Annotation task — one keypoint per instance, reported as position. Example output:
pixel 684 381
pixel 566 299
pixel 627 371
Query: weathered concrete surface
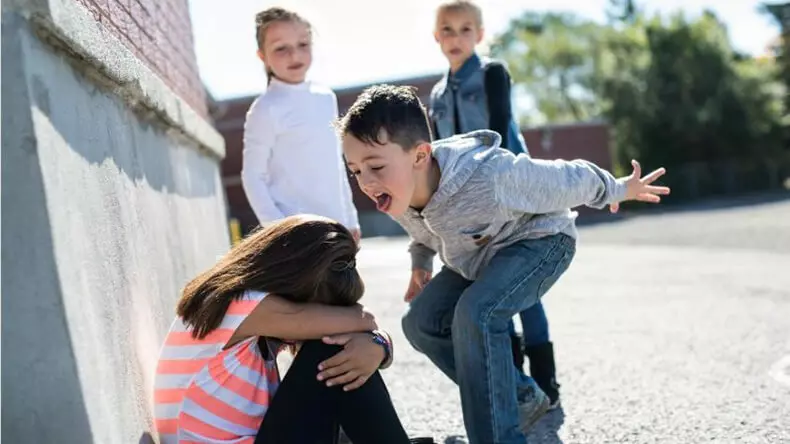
pixel 670 328
pixel 106 215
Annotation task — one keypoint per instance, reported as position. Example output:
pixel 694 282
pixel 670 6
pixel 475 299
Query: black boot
pixel 518 355
pixel 542 370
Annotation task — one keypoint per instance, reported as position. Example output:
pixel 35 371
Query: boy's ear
pixel 260 56
pixel 480 34
pixel 422 154
pixel 436 35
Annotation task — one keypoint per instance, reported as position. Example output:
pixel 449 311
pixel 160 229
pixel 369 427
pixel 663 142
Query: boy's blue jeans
pixel 462 326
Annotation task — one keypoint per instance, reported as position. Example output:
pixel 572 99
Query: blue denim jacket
pixel 467 86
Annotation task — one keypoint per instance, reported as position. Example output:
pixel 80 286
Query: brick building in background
pixel 588 141
pixel 229 117
pixel 111 199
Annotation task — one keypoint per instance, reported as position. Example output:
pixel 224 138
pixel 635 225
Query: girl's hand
pixel 352 367
pixel 640 188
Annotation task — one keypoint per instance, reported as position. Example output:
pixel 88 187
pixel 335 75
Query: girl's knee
pixel 316 351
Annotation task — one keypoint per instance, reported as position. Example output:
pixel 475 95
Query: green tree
pixel 549 57
pixel 781 14
pixel 684 96
pixel 673 89
pixel 621 10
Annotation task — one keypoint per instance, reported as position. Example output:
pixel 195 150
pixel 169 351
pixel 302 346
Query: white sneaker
pixel 530 411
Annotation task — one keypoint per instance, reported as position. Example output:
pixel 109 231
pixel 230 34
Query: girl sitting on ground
pixel 291 283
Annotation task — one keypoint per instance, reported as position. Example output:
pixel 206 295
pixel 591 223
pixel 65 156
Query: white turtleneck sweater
pixel 293 162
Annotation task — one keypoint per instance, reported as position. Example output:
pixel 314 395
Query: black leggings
pixel 305 410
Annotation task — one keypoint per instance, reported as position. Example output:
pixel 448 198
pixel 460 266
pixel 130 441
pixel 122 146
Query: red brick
pixel 159 32
pixel 93 8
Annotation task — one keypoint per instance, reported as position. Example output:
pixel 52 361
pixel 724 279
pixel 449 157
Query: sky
pixel 362 41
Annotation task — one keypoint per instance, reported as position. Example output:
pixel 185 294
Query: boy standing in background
pixel 475 95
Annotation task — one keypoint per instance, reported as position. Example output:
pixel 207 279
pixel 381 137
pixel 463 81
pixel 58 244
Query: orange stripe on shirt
pixel 231 382
pixel 194 425
pixel 218 336
pixel 223 410
pixel 180 366
pixel 169 396
pixel 250 440
pixel 166 426
pixel 254 362
pixel 250 359
pixel 244 307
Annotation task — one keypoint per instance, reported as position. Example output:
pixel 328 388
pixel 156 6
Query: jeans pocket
pixel 555 266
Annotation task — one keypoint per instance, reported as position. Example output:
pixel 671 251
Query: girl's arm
pixel 260 133
pixel 278 318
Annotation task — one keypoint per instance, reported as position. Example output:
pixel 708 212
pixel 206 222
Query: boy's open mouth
pixel 383 201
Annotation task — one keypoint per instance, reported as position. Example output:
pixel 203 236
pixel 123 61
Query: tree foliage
pixel 672 88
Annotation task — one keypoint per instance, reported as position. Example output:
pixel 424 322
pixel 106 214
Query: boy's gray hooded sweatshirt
pixel 488 199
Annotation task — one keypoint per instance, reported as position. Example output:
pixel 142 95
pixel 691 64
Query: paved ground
pixel 670 327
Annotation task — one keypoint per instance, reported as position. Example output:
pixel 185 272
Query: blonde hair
pixel 461 6
pixel 267 17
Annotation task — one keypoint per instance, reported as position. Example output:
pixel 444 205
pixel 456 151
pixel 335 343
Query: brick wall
pixel 159 33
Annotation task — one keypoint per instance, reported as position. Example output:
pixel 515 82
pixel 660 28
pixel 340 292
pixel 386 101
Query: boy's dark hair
pixel 300 258
pixel 394 109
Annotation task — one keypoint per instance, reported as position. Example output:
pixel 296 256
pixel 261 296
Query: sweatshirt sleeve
pixel 544 186
pixel 260 133
pixel 421 256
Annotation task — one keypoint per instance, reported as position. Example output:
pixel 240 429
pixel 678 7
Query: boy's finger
pixel 615 207
pixel 637 169
pixel 656 189
pixel 650 178
pixel 646 197
pixel 334 361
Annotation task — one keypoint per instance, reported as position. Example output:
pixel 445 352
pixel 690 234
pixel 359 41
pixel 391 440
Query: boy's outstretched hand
pixel 640 188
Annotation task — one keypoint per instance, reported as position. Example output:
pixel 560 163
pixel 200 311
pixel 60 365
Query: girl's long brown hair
pixel 300 258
